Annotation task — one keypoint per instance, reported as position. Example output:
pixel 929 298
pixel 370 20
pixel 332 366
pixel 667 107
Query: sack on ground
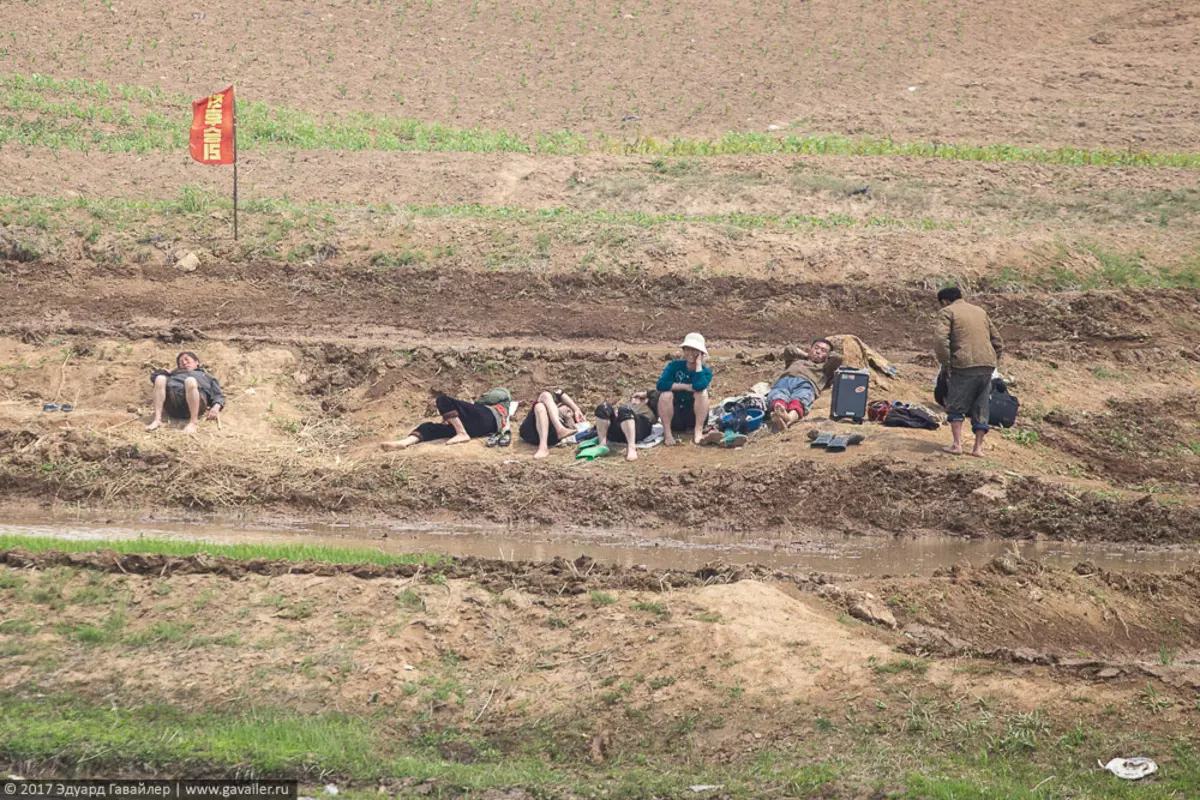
pixel 902 415
pixel 496 397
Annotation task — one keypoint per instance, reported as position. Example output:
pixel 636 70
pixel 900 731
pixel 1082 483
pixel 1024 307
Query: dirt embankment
pixel 477 657
pixel 253 299
pixel 302 431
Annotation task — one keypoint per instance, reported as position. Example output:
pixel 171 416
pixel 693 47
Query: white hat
pixel 695 341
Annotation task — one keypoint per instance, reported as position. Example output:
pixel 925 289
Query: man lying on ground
pixel 803 378
pixel 551 420
pixel 186 392
pixel 968 347
pixel 461 419
pixel 683 404
pixel 634 419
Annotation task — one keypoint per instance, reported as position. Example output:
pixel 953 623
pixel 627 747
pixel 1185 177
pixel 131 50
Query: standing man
pixel 186 392
pixel 968 347
pixel 684 403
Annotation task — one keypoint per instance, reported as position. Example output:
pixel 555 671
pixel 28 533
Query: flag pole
pixel 235 209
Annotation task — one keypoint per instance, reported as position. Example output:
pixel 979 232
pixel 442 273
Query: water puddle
pixel 858 555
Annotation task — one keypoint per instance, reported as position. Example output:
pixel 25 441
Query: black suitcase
pixel 849 394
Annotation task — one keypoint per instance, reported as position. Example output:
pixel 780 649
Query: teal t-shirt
pixel 677 372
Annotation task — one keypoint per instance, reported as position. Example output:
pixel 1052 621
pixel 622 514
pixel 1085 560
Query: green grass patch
pixel 1114 270
pixel 285 552
pixel 914 666
pixel 409 600
pixel 106 633
pixel 655 608
pixel 69 732
pixel 159 633
pixel 36 212
pixel 69 111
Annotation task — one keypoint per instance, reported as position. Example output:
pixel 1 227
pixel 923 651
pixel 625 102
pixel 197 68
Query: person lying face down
pixel 628 422
pixel 185 392
pixel 683 404
pixel 461 420
pixel 804 376
pixel 551 420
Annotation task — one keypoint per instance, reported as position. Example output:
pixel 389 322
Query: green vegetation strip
pixel 286 552
pixel 68 732
pixel 33 212
pixel 263 126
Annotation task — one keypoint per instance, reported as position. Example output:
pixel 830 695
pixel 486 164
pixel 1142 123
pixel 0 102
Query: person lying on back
pixel 804 376
pixel 461 420
pixel 186 392
pixel 551 420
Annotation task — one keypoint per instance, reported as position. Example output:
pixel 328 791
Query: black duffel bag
pixel 1002 406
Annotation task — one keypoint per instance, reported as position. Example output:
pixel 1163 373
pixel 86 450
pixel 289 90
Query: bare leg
pixel 193 401
pixel 460 433
pixel 160 399
pixel 629 428
pixel 547 401
pixel 407 441
pixel 977 451
pixel 666 412
pixel 602 430
pixel 541 416
pixel 955 447
pixel 701 409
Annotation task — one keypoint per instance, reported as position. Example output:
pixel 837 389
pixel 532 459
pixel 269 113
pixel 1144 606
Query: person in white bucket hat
pixel 683 404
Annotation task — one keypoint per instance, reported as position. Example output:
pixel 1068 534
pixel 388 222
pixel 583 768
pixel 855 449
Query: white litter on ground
pixel 1131 769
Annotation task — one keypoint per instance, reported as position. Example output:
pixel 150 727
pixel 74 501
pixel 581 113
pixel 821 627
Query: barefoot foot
pixel 631 455
pixel 977 453
pixel 153 426
pixel 394 445
pixel 952 450
pixel 542 453
pixel 458 438
pixel 191 428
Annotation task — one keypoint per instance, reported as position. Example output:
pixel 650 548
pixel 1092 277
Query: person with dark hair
pixel 949 294
pixel 186 392
pixel 461 420
pixel 804 376
pixel 968 347
pixel 683 402
pixel 634 420
pixel 551 420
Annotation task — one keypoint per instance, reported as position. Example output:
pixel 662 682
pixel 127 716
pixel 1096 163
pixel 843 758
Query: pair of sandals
pixel 591 449
pixel 502 439
pixel 834 442
pixel 726 438
pixel 55 407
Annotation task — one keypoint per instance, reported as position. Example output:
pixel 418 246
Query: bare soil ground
pixel 364 281
pixel 1101 72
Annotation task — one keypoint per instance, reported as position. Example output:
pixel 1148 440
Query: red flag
pixel 212 128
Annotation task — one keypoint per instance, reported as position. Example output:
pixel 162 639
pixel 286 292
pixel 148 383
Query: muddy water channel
pixel 858 555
